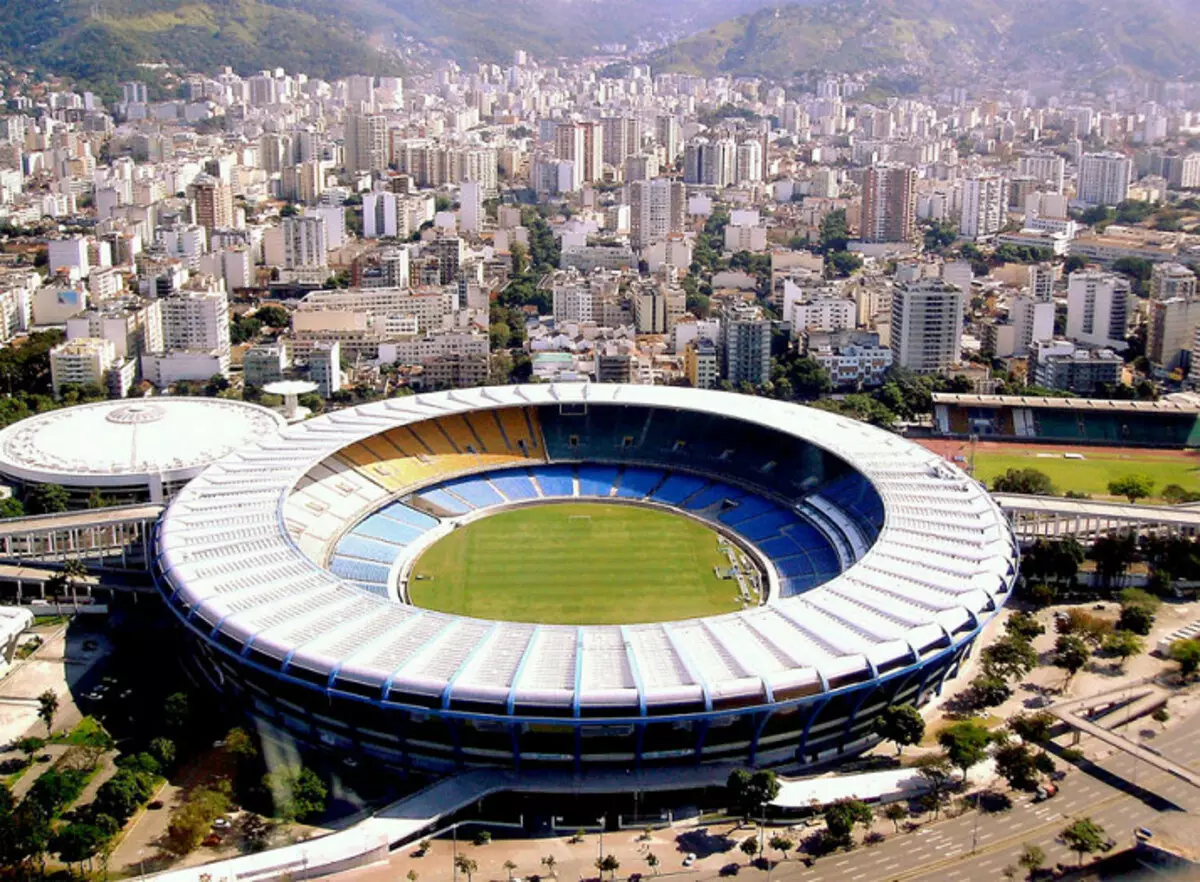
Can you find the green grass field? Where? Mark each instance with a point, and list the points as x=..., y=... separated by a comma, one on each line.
x=576, y=564
x=1092, y=474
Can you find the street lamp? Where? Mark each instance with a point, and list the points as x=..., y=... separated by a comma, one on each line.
x=603, y=819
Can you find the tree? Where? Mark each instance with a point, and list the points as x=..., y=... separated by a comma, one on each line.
x=163, y=751
x=842, y=264
x=749, y=847
x=1113, y=555
x=895, y=812
x=1034, y=728
x=1070, y=654
x=900, y=724
x=1084, y=836
x=240, y=745
x=841, y=818
x=47, y=499
x=1016, y=763
x=750, y=792
x=1090, y=628
x=256, y=832
x=509, y=866
x=78, y=842
x=175, y=711
x=1032, y=858
x=966, y=743
x=607, y=864
x=11, y=507
x=1185, y=653
x=1123, y=645
x=1160, y=716
x=47, y=708
x=781, y=844
x=934, y=770
x=297, y=793
x=1135, y=620
x=1023, y=626
x=549, y=862
x=652, y=862
x=1132, y=487
x=987, y=690
x=1009, y=658
x=273, y=316
x=1028, y=481
x=466, y=865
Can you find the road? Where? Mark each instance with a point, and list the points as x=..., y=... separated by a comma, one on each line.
x=1121, y=793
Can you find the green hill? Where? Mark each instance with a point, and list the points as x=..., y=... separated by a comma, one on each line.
x=956, y=37
x=100, y=42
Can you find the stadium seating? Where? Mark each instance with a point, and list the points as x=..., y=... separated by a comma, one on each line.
x=516, y=485
x=637, y=483
x=377, y=541
x=596, y=480
x=423, y=452
x=676, y=488
x=555, y=480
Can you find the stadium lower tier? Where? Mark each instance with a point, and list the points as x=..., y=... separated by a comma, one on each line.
x=805, y=551
x=807, y=731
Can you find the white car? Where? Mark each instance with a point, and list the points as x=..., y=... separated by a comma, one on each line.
x=689, y=859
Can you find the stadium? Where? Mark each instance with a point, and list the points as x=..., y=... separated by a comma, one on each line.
x=684, y=577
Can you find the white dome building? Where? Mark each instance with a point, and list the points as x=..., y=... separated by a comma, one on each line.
x=129, y=451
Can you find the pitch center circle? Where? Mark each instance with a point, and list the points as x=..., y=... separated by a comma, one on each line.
x=582, y=563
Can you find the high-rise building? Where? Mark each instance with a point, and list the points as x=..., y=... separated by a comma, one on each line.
x=983, y=207
x=710, y=163
x=1104, y=178
x=1170, y=330
x=471, y=213
x=85, y=361
x=381, y=216
x=889, y=203
x=746, y=345
x=668, y=135
x=1170, y=280
x=657, y=209
x=1098, y=309
x=1042, y=277
x=583, y=144
x=325, y=366
x=700, y=363
x=622, y=138
x=196, y=320
x=1032, y=321
x=926, y=328
x=214, y=202
x=1048, y=168
x=749, y=162
x=656, y=307
x=304, y=242
x=366, y=146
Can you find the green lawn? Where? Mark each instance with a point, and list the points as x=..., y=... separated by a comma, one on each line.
x=1092, y=474
x=576, y=564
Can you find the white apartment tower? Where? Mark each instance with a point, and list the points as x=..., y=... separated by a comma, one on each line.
x=366, y=142
x=657, y=209
x=926, y=329
x=304, y=242
x=985, y=198
x=1098, y=308
x=1104, y=178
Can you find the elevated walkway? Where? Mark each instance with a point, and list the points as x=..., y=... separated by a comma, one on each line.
x=115, y=538
x=1053, y=516
x=1145, y=696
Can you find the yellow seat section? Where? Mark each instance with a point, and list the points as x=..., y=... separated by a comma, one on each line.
x=516, y=423
x=487, y=430
x=460, y=433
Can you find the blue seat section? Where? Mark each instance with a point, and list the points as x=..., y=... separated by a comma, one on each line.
x=677, y=488
x=359, y=570
x=555, y=480
x=596, y=480
x=748, y=507
x=444, y=501
x=368, y=549
x=637, y=482
x=766, y=525
x=474, y=489
x=398, y=511
x=854, y=495
x=387, y=530
x=713, y=495
x=515, y=485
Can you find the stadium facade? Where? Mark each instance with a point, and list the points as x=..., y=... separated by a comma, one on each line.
x=285, y=563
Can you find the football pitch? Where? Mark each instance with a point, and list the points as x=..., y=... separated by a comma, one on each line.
x=576, y=564
x=1092, y=474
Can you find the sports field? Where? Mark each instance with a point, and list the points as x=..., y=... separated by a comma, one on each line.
x=1090, y=475
x=576, y=564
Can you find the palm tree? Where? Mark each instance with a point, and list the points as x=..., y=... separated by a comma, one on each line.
x=509, y=866
x=652, y=861
x=74, y=572
x=549, y=862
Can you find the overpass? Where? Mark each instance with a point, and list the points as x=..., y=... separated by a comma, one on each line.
x=1055, y=516
x=114, y=538
x=1146, y=696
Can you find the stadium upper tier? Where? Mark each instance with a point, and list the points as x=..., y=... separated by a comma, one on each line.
x=240, y=556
